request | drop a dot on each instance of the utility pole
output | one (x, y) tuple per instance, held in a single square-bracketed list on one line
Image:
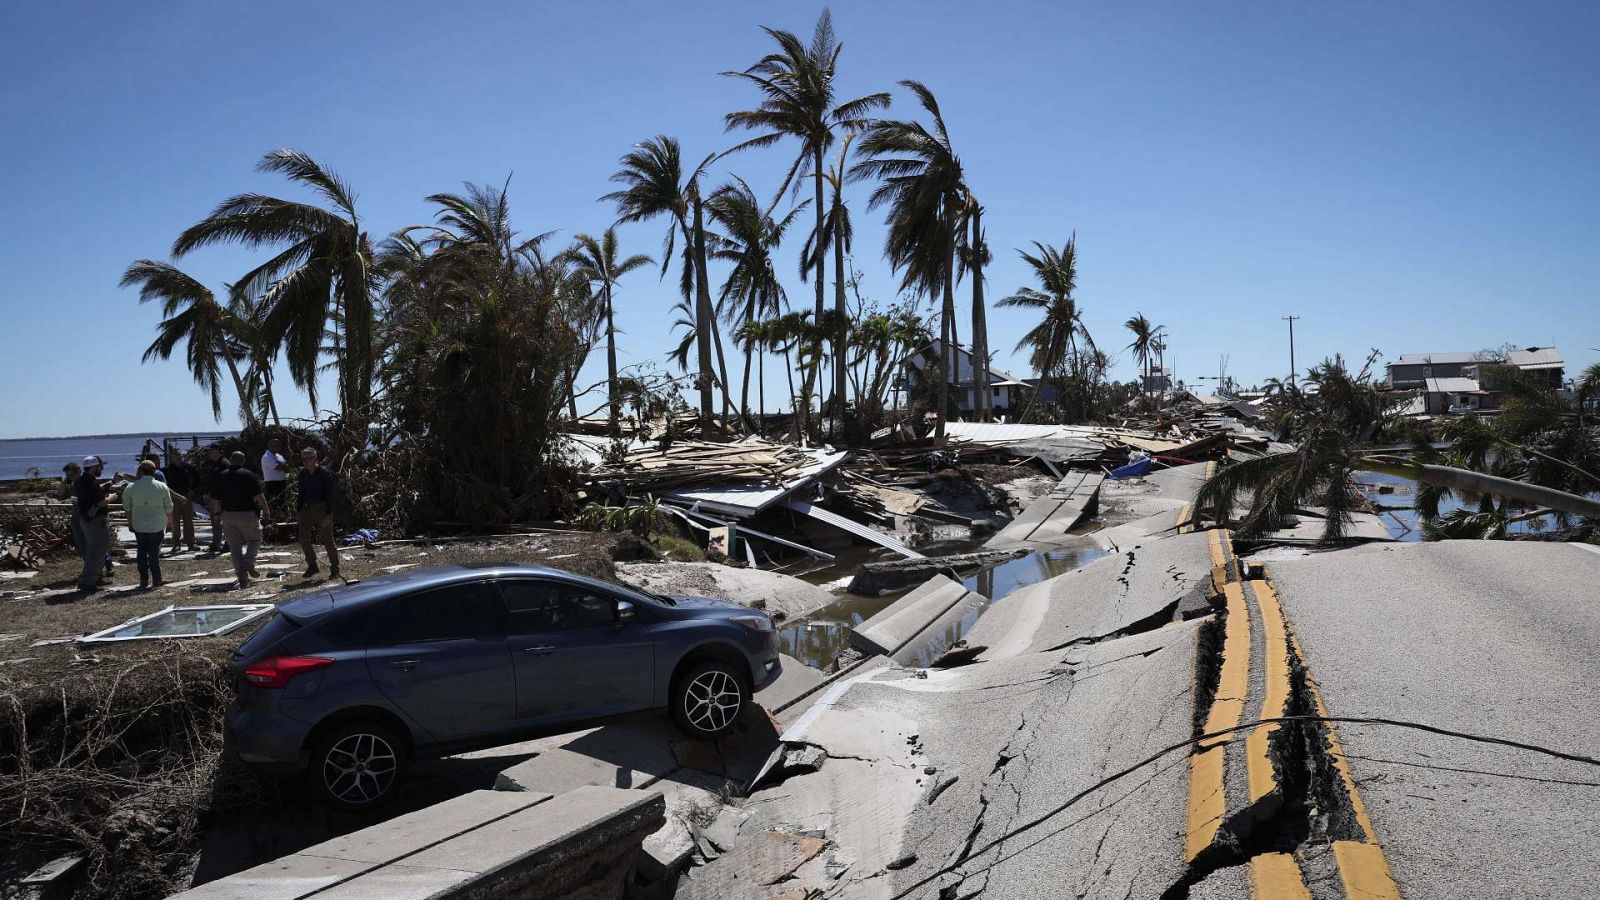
[(1290, 320)]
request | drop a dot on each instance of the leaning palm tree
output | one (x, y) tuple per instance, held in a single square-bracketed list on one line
[(598, 264), (1143, 345), (651, 176), (921, 182), (799, 100), (750, 237), (192, 316), (323, 275), (1060, 340)]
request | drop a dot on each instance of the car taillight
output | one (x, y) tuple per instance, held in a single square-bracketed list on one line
[(276, 672)]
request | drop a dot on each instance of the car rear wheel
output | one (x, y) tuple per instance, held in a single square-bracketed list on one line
[(708, 698), (357, 766)]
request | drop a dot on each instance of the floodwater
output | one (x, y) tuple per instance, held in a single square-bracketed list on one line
[(821, 637)]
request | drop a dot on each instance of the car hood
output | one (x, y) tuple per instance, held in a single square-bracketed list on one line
[(690, 607)]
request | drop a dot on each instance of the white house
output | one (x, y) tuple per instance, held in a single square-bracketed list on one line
[(1008, 394)]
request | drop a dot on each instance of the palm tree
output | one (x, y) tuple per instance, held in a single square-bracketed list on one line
[(838, 233), (323, 275), (1060, 339), (755, 336), (974, 255), (192, 315), (749, 239), (1143, 346), (799, 100), (597, 264), (653, 184), (922, 184)]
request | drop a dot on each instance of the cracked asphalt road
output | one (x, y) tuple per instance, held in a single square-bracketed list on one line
[(1490, 638)]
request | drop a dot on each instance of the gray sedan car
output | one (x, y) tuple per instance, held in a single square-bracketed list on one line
[(347, 685)]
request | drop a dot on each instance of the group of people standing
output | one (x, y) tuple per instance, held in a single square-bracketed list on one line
[(159, 499)]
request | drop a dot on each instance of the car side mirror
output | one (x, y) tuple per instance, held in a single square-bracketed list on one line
[(625, 613)]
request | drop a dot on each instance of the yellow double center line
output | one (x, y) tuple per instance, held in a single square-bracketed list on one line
[(1363, 871)]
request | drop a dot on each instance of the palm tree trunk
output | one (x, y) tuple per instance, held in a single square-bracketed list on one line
[(702, 316), (788, 368), (615, 402), (841, 349), (761, 386), (980, 326), (1487, 485), (238, 383), (953, 366)]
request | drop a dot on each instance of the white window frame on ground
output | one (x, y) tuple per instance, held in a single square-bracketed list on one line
[(253, 611)]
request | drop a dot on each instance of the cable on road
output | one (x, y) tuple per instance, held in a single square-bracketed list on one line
[(1167, 751)]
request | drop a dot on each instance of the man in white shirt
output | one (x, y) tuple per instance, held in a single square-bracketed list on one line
[(274, 472)]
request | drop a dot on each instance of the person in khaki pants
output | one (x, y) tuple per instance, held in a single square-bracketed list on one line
[(317, 490)]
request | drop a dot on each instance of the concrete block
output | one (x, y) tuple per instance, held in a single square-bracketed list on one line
[(414, 831), (929, 610), (560, 769), (289, 878)]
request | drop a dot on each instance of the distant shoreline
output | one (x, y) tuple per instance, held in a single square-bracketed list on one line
[(125, 434)]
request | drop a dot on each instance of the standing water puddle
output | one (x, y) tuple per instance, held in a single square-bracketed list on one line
[(821, 637)]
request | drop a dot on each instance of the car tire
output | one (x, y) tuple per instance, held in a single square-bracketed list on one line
[(708, 698), (357, 766)]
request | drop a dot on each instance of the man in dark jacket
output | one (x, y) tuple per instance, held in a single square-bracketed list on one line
[(317, 490), (182, 481), (206, 484), (239, 503), (94, 508)]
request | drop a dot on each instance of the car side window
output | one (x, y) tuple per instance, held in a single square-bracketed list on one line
[(549, 606), (442, 614), (530, 605)]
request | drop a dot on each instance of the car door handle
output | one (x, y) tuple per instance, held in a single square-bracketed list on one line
[(405, 665), (541, 650)]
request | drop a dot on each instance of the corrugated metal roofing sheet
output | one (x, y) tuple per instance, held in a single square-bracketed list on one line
[(1536, 358), (1452, 385)]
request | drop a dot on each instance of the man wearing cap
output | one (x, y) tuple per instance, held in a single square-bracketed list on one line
[(240, 502), (316, 488), (149, 506), (94, 507), (181, 479)]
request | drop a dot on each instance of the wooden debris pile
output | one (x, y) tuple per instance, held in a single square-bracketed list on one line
[(685, 463)]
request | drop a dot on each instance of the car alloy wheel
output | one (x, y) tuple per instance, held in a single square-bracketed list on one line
[(359, 768), (712, 701)]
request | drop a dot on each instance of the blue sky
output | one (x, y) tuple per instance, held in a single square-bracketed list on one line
[(1407, 177)]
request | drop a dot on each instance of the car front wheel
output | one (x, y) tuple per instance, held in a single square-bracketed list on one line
[(708, 698), (357, 766)]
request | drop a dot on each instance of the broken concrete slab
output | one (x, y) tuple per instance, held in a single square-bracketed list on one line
[(612, 757), (919, 626), (1141, 587), (587, 835), (1046, 521), (289, 878), (795, 680), (758, 867), (1031, 742), (414, 831)]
